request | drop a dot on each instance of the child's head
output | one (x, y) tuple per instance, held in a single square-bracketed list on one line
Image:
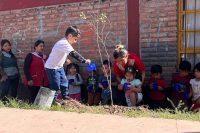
[(6, 45), (130, 73), (197, 71), (72, 68), (156, 71), (72, 33), (105, 67), (184, 68)]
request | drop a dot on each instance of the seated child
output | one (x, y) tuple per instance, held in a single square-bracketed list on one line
[(104, 82), (195, 85), (181, 84), (157, 97), (74, 81), (131, 86), (94, 92)]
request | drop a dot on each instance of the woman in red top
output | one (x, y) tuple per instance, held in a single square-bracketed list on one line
[(123, 59), (34, 70)]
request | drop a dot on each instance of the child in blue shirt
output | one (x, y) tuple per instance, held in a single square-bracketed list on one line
[(104, 82), (131, 86)]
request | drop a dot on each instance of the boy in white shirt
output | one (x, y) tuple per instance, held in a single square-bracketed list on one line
[(57, 58)]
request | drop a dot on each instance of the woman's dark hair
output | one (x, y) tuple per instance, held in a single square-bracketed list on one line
[(38, 43), (5, 41), (73, 30), (156, 69), (197, 67), (185, 66), (120, 51), (130, 69)]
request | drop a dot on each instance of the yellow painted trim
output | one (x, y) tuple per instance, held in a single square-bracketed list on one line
[(181, 31)]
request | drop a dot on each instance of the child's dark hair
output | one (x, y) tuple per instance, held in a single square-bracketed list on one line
[(76, 67), (73, 30), (185, 66), (106, 62), (5, 41), (130, 69), (38, 43), (73, 65), (156, 69), (120, 51), (197, 67)]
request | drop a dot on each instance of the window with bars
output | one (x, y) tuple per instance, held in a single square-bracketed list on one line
[(189, 31)]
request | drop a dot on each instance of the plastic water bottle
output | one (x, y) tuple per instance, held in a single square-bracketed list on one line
[(155, 86), (177, 87), (71, 81), (104, 83), (126, 86)]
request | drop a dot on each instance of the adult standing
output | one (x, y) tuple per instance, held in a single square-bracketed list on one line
[(34, 71), (9, 72)]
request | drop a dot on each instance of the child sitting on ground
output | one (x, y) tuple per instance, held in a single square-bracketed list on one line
[(131, 86), (157, 85), (181, 84), (195, 85), (75, 81), (104, 82)]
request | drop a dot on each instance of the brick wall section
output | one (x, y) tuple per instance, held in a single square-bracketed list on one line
[(158, 34), (23, 27)]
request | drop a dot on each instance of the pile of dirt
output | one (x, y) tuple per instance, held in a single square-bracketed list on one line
[(115, 109), (70, 103)]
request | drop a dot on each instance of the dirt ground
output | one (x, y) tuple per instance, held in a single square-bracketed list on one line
[(38, 121)]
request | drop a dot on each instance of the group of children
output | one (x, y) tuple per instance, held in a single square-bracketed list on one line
[(184, 87), (122, 88), (97, 86)]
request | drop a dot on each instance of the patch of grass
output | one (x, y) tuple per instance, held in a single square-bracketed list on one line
[(116, 110), (167, 114), (15, 103)]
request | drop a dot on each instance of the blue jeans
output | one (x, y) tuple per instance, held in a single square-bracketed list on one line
[(58, 81)]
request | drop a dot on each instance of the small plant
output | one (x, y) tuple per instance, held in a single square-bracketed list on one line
[(97, 22)]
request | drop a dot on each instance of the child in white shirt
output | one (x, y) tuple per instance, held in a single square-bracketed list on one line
[(131, 86), (195, 84)]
